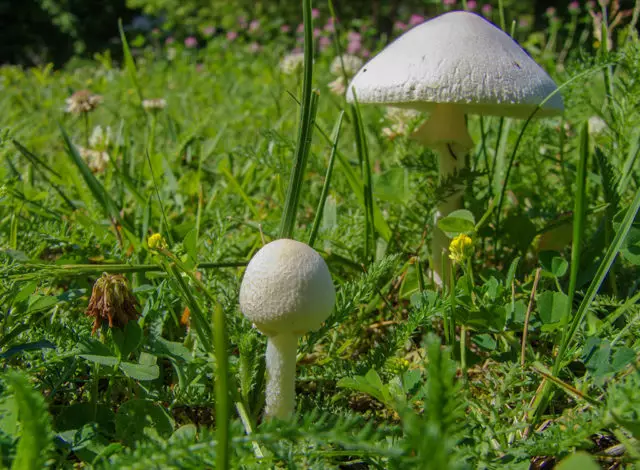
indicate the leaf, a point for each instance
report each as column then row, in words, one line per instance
column 94, row 351
column 41, row 302
column 140, row 371
column 35, row 424
column 127, row 341
column 552, row 307
column 631, row 247
column 578, row 461
column 457, row 222
column 137, row 416
column 485, row 342
column 553, row 263
column 190, row 245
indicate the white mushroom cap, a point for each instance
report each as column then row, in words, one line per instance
column 287, row 288
column 457, row 58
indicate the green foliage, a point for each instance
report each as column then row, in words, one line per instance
column 375, row 386
column 35, row 423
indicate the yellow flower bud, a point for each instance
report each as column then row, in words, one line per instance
column 460, row 248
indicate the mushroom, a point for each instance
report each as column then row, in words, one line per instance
column 455, row 64
column 286, row 292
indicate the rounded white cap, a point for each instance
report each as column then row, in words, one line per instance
column 457, row 58
column 287, row 288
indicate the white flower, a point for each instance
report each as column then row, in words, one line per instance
column 337, row 86
column 96, row 159
column 292, row 63
column 83, row 101
column 351, row 63
column 100, row 137
column 155, row 104
column 401, row 121
column 597, row 125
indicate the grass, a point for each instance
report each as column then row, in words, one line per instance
column 243, row 153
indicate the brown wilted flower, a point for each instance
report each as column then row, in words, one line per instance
column 112, row 300
column 83, row 101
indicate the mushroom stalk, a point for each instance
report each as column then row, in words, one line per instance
column 445, row 131
column 281, row 375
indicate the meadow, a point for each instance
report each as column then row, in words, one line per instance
column 135, row 191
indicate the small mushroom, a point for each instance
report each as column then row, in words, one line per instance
column 286, row 292
column 455, row 64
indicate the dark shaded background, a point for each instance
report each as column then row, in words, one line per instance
column 43, row 31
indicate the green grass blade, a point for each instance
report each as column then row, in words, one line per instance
column 223, row 415
column 335, row 137
column 98, row 191
column 305, row 129
column 524, row 128
column 579, row 216
column 35, row 424
column 365, row 167
column 603, row 269
column 356, row 186
column 129, row 63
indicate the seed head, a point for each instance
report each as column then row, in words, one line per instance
column 156, row 242
column 155, row 104
column 112, row 300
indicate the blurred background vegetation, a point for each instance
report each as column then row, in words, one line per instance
column 36, row 32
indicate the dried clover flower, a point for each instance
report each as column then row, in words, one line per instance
column 83, row 101
column 112, row 300
column 154, row 104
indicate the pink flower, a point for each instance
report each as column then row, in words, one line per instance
column 191, row 42
column 300, row 28
column 231, row 36
column 449, row 3
column 352, row 36
column 169, row 40
column 574, row 7
column 316, row 32
column 315, row 13
column 254, row 25
column 472, row 5
column 365, row 53
column 486, row 9
column 330, row 27
column 399, row 26
column 353, row 47
column 254, row 47
column 209, row 31
column 324, row 43
column 551, row 11
column 285, row 28
column 242, row 21
column 415, row 19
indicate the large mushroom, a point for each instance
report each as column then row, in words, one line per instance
column 286, row 292
column 455, row 64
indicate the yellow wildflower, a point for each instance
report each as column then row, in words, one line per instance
column 460, row 248
column 156, row 242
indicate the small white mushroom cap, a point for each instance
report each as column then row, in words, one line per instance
column 287, row 288
column 457, row 58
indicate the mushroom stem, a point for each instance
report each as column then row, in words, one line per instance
column 281, row 375
column 445, row 131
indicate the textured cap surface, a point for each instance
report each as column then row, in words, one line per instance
column 287, row 287
column 458, row 58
